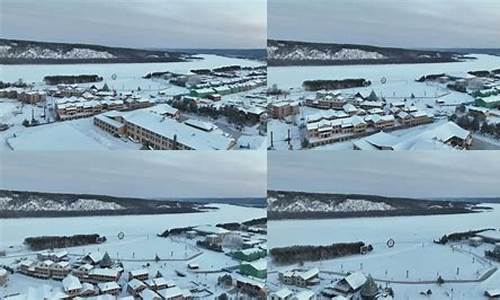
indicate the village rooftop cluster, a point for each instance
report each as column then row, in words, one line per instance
column 62, row 275
column 368, row 120
column 206, row 109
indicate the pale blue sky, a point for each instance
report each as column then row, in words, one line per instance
column 138, row 23
column 399, row 23
column 405, row 173
column 137, row 173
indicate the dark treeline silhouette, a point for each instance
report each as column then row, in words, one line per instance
column 51, row 242
column 70, row 79
column 458, row 236
column 175, row 231
column 233, row 114
column 227, row 68
column 241, row 226
column 210, row 246
column 276, row 215
column 480, row 73
column 298, row 254
column 316, row 85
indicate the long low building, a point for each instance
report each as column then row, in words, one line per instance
column 256, row 268
column 301, row 278
column 492, row 101
column 446, row 136
column 161, row 132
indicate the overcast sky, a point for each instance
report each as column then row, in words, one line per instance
column 140, row 174
column 407, row 174
column 138, row 23
column 412, row 24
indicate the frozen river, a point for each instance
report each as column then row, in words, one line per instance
column 293, row 76
column 128, row 75
column 13, row 231
column 405, row 229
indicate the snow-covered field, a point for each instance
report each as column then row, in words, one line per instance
column 413, row 258
column 80, row 134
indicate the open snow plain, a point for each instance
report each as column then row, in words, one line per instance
column 413, row 262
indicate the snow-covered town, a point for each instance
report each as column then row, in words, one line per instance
column 202, row 261
column 382, row 250
column 206, row 103
column 162, row 241
column 439, row 106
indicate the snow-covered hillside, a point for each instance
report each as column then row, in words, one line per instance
column 309, row 53
column 42, row 204
column 37, row 52
column 334, row 205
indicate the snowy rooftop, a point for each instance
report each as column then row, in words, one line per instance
column 108, row 286
column 71, row 283
column 134, row 284
column 251, row 281
column 104, row 272
column 491, row 99
column 206, row 126
column 250, row 251
column 430, row 139
column 171, row 292
column 209, row 229
column 163, row 109
column 284, row 293
column 356, row 280
column 304, row 295
column 187, row 135
column 109, row 121
column 306, row 275
column 148, row 294
column 260, row 264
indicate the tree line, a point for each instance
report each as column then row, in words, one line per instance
column 316, row 85
column 298, row 254
column 52, row 242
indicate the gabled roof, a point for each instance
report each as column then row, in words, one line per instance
column 71, row 283
column 355, row 280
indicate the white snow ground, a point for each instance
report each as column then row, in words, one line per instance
column 413, row 251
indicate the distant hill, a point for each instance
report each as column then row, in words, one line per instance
column 249, row 202
column 304, row 205
column 305, row 53
column 490, row 51
column 37, row 204
column 255, row 54
column 34, row 52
